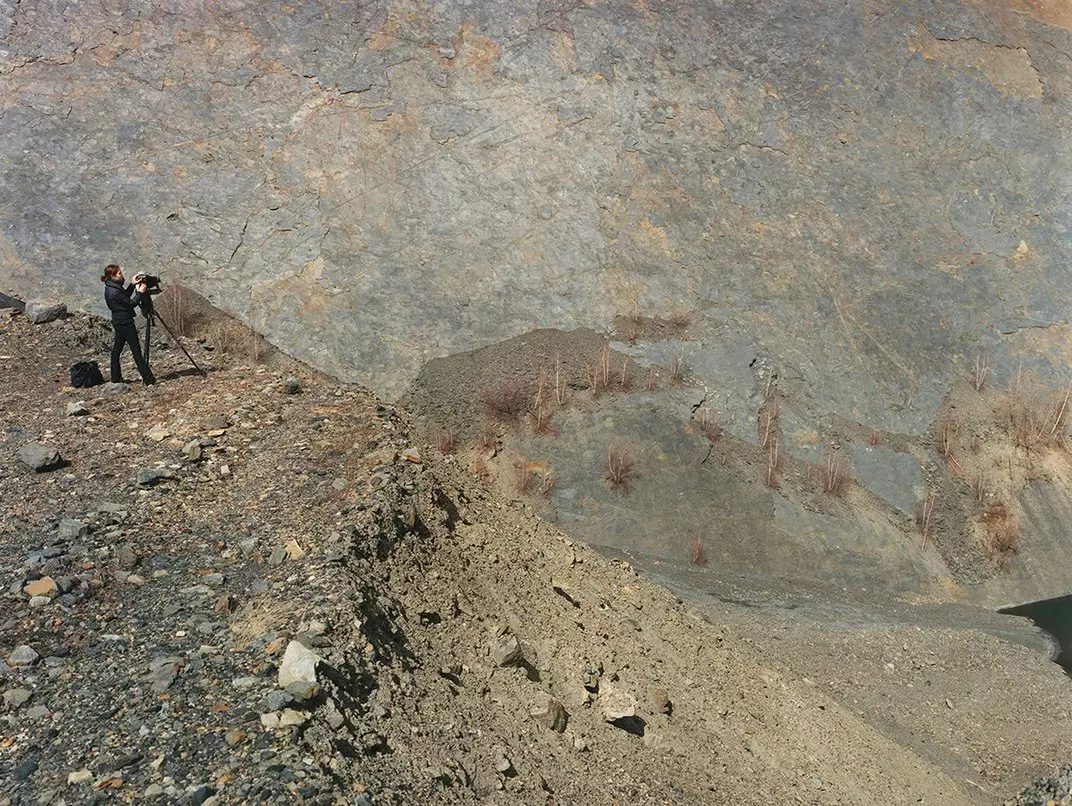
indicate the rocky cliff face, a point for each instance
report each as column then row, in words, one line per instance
column 865, row 194
column 858, row 199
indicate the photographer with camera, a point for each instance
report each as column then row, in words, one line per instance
column 122, row 302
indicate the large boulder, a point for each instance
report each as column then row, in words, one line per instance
column 40, row 312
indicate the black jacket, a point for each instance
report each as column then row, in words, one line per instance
column 122, row 302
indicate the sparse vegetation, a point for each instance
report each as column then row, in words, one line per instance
column 1035, row 420
column 697, row 552
column 925, row 518
column 508, row 402
column 619, row 469
column 949, row 425
column 769, row 435
column 231, row 337
column 1003, row 534
column 707, row 423
column 175, row 309
column 677, row 371
column 982, row 371
column 534, row 479
column 445, row 439
column 835, row 474
column 680, row 318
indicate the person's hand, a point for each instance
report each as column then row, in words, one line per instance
column 141, row 287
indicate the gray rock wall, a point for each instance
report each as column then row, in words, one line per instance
column 866, row 193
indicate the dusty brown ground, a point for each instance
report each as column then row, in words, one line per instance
column 412, row 578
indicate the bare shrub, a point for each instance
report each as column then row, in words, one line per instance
column 949, row 425
column 835, row 474
column 925, row 518
column 560, row 382
column 234, row 338
column 479, row 468
column 543, row 406
column 175, row 309
column 769, row 435
column 651, row 379
column 619, row 469
column 981, row 487
column 508, row 402
column 707, row 423
column 774, row 463
column 1003, row 534
column 534, row 479
column 697, row 552
column 680, row 318
column 624, row 378
column 489, row 438
column 677, row 371
column 982, row 371
column 1036, row 421
column 445, row 439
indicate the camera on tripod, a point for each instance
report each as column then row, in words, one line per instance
column 152, row 282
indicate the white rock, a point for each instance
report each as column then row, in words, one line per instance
column 298, row 665
column 79, row 777
column 616, row 704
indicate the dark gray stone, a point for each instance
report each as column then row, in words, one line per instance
column 151, row 476
column 40, row 458
column 43, row 312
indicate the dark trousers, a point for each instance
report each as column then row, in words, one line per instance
column 128, row 335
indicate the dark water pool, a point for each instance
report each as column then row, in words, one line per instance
column 1055, row 617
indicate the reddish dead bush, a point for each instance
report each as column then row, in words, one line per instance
column 1003, row 534
column 445, row 439
column 697, row 552
column 618, row 469
column 707, row 423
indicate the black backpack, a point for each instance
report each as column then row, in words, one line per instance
column 86, row 373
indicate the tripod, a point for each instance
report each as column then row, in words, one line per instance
column 148, row 310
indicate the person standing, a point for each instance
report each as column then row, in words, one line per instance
column 123, row 301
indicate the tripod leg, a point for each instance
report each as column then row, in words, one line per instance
column 181, row 347
column 148, row 335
